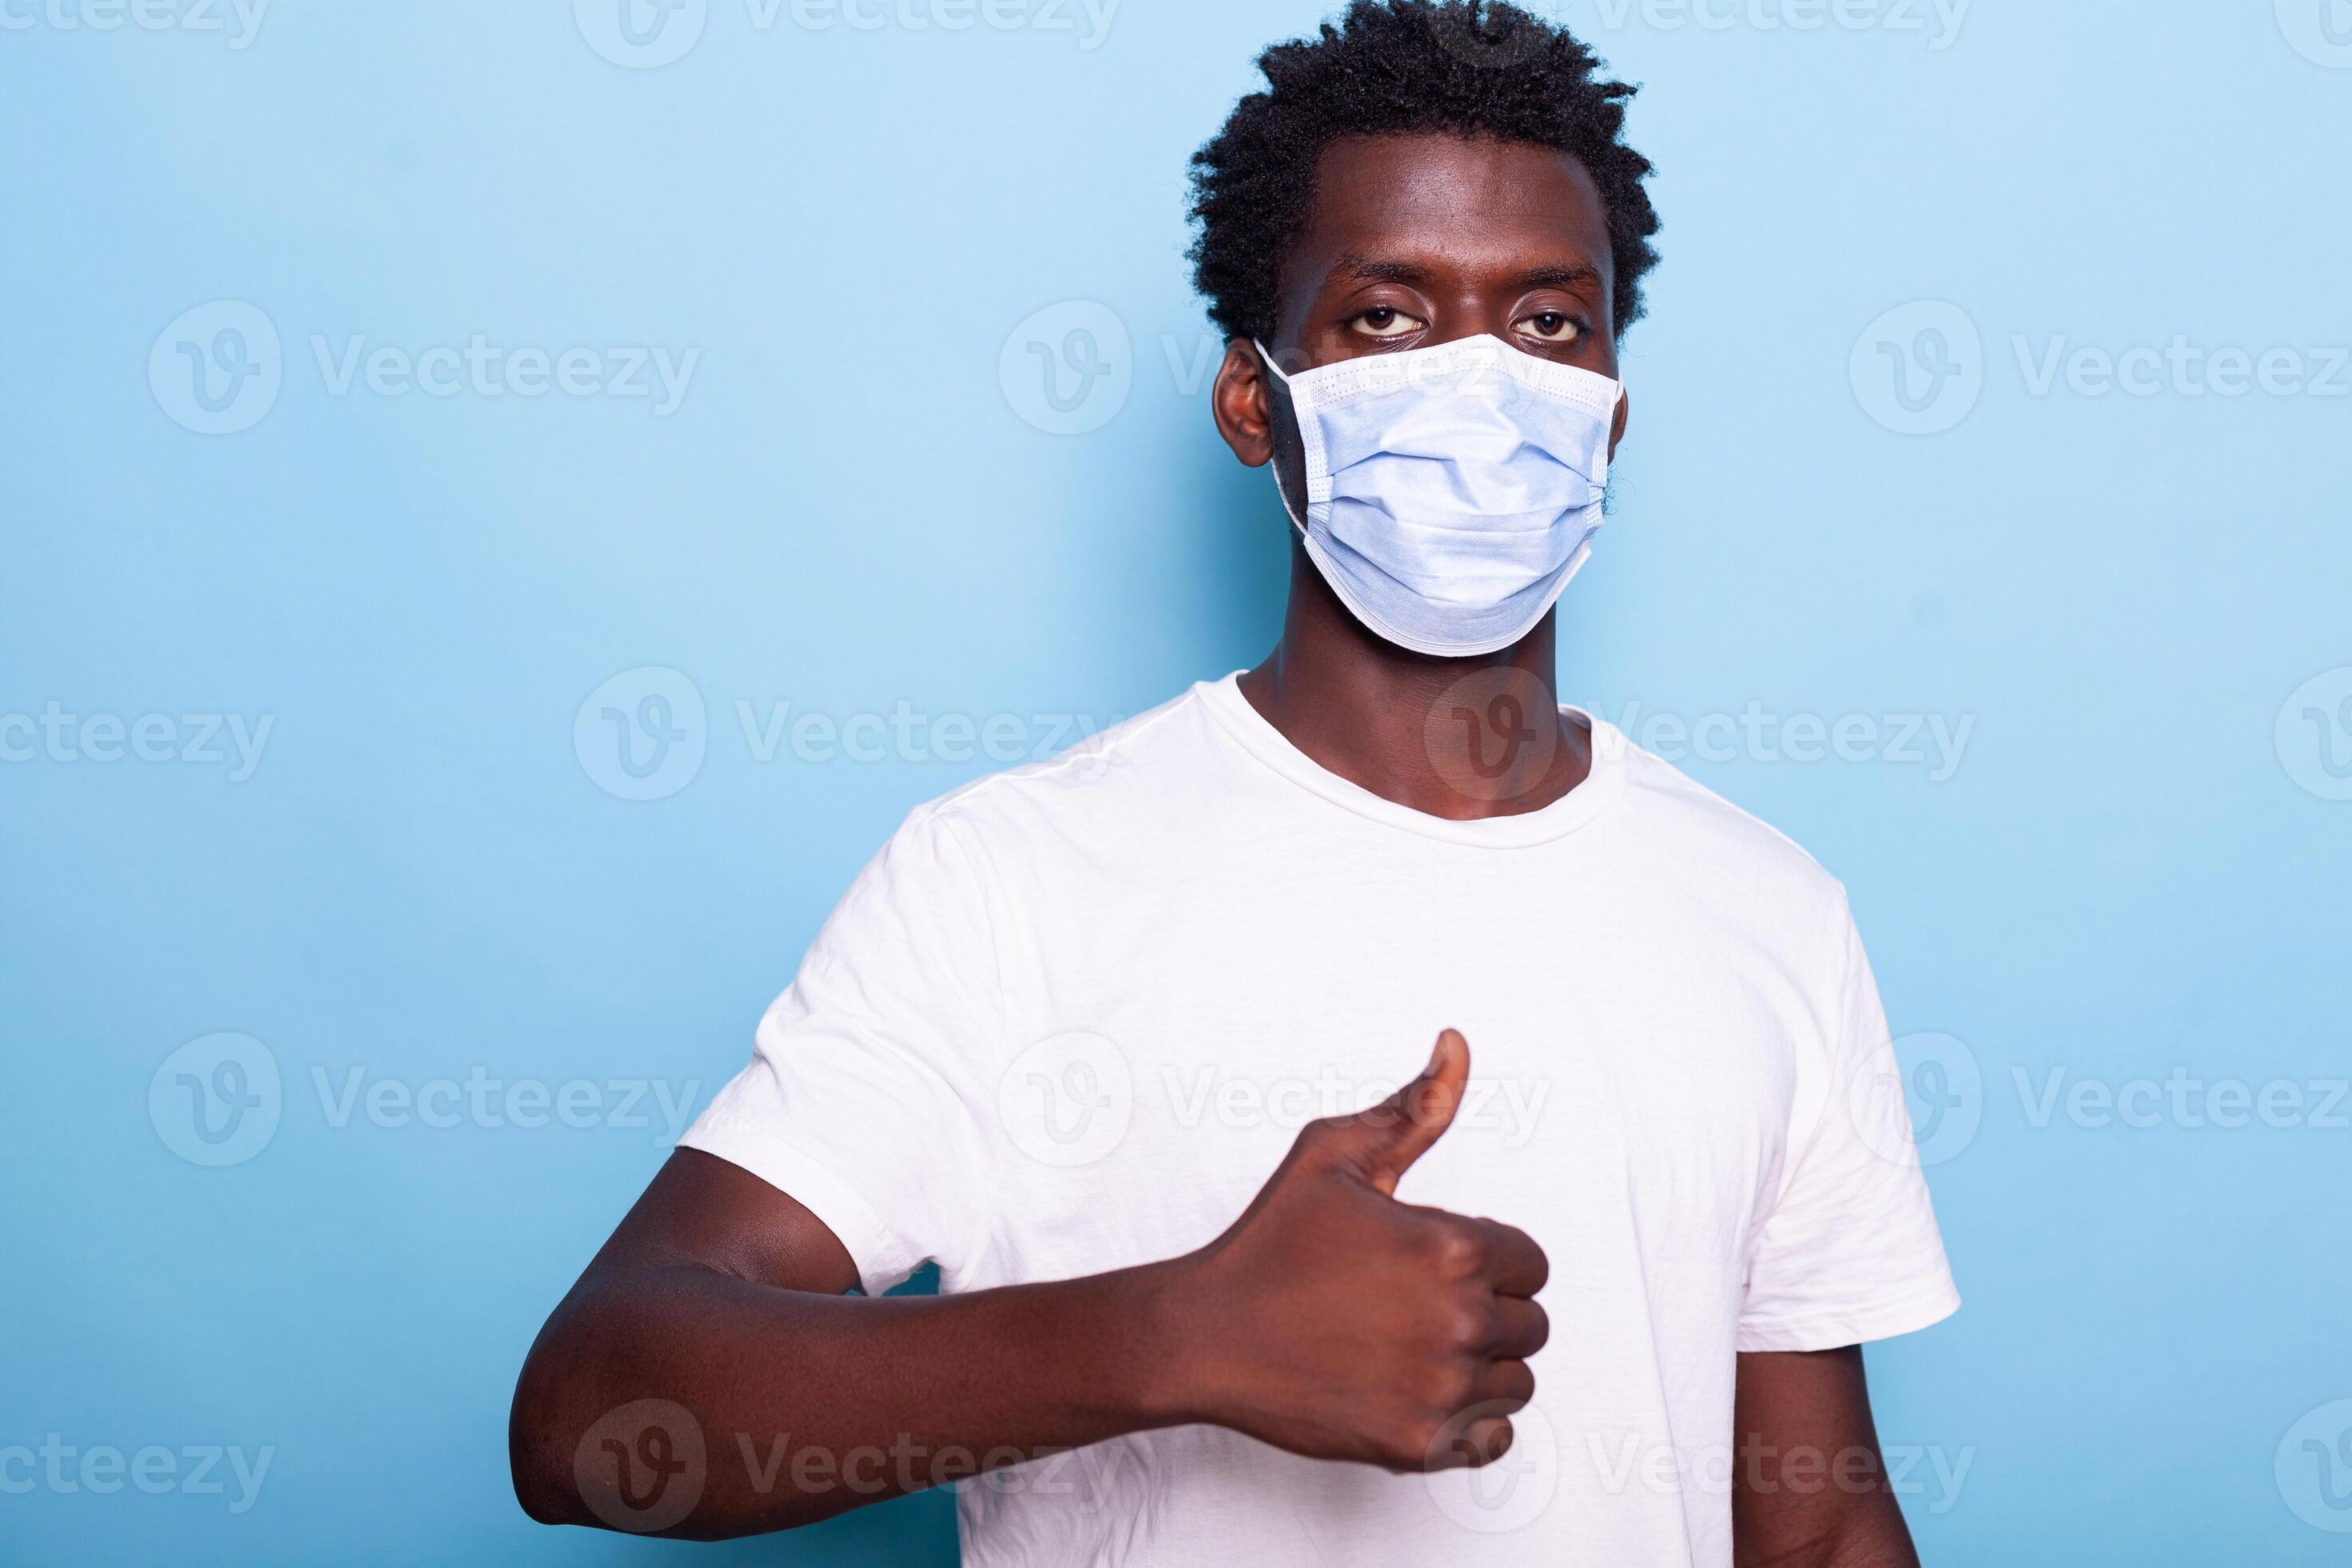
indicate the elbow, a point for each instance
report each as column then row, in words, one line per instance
column 535, row 1489
column 539, row 1468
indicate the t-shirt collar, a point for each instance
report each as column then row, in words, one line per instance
column 1269, row 746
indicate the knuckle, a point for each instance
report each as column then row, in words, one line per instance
column 1405, row 1448
column 1474, row 1444
column 1459, row 1251
column 1431, row 1444
column 1448, row 1386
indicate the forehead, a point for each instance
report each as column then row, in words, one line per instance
column 1463, row 202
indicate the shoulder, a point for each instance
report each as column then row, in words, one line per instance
column 1699, row 837
column 1117, row 782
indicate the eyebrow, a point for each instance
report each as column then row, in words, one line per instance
column 1576, row 275
column 1367, row 269
column 1370, row 269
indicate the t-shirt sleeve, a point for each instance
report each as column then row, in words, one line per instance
column 870, row 1091
column 1850, row 1252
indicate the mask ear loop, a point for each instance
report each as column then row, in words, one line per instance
column 1290, row 509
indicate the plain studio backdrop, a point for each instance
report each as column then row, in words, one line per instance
column 503, row 509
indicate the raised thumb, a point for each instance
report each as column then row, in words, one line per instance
column 1406, row 1123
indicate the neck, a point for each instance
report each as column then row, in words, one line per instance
column 1457, row 737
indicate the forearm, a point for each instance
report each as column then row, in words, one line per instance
column 1811, row 1488
column 1862, row 1538
column 808, row 1404
column 1876, row 1537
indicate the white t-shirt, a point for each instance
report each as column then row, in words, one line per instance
column 1073, row 1016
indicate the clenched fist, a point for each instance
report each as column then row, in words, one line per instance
column 1336, row 1322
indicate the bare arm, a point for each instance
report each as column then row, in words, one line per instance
column 1810, row 1485
column 727, row 1300
column 722, row 1299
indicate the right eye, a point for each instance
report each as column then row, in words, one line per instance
column 1386, row 321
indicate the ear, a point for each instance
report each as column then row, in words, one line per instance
column 1617, row 426
column 1241, row 402
column 1254, row 416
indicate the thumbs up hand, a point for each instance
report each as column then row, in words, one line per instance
column 1336, row 1322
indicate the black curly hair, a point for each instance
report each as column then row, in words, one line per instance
column 1469, row 67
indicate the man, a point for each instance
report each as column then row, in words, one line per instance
column 1065, row 1035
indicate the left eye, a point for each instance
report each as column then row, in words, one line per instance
column 1552, row 327
column 1386, row 321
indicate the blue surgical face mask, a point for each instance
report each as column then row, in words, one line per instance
column 1451, row 491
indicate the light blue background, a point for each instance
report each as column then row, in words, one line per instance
column 2122, row 876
